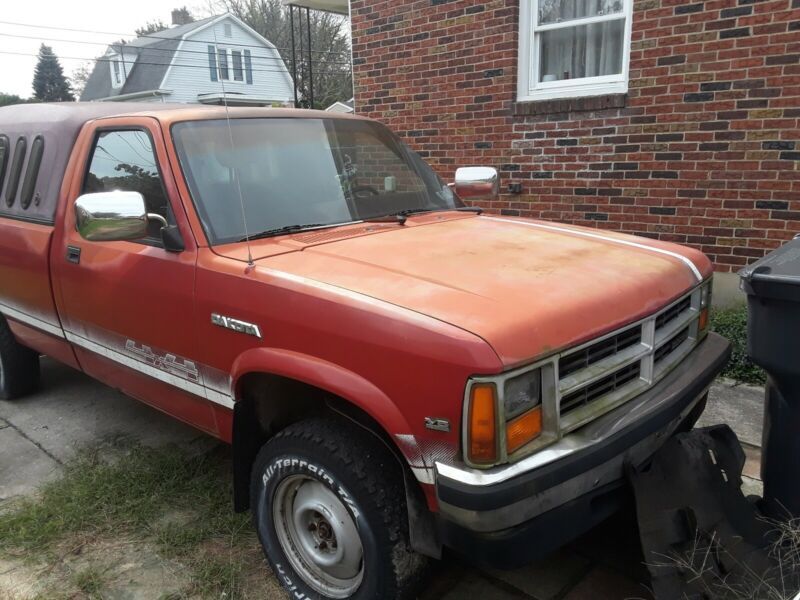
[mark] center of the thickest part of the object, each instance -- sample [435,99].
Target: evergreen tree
[49,83]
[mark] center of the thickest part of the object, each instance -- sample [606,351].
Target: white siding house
[209,61]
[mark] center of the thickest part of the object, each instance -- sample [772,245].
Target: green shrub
[731,323]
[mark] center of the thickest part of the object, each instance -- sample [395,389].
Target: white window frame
[530,89]
[227,53]
[117,72]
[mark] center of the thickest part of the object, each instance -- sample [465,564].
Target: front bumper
[512,514]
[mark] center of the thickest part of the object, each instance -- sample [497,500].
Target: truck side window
[16,171]
[124,160]
[32,172]
[5,150]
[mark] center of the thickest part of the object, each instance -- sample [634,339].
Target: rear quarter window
[16,170]
[32,172]
[5,150]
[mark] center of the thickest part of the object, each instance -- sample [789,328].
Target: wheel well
[268,403]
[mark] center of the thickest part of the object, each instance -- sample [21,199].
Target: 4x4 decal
[181,367]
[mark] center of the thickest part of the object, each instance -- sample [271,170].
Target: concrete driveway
[39,433]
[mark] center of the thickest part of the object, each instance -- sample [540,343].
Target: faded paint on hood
[527,291]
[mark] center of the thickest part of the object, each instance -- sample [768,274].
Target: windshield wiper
[395,218]
[413,211]
[284,230]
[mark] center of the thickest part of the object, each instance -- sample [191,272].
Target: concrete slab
[71,410]
[739,405]
[23,465]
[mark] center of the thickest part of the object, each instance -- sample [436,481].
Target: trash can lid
[777,275]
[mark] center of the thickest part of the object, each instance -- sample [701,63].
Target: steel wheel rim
[318,536]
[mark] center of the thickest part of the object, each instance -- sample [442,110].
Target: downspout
[294,57]
[310,60]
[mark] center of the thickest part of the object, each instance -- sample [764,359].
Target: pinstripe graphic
[604,238]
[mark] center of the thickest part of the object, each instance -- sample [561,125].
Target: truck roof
[58,125]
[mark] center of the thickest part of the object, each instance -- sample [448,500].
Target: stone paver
[549,578]
[605,583]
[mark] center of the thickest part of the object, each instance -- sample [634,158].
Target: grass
[731,323]
[177,502]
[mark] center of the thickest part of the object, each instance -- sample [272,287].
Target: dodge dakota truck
[398,372]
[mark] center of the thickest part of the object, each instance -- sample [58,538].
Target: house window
[238,69]
[222,59]
[571,48]
[228,30]
[115,65]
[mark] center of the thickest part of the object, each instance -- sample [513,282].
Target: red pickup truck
[397,372]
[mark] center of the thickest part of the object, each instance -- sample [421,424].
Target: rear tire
[19,366]
[329,507]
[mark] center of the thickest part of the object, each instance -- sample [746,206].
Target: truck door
[127,307]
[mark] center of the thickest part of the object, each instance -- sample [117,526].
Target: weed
[167,497]
[89,581]
[731,323]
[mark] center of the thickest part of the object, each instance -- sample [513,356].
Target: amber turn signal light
[523,429]
[482,441]
[703,319]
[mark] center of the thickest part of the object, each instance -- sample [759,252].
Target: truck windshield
[290,173]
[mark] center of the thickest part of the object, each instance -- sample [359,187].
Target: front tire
[329,507]
[19,366]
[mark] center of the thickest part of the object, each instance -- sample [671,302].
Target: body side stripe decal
[28,319]
[193,388]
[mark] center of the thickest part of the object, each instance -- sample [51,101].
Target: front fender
[326,376]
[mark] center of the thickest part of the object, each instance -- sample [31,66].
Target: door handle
[73,254]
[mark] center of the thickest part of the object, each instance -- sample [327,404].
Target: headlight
[512,406]
[522,393]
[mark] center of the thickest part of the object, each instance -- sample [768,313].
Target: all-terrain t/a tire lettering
[329,508]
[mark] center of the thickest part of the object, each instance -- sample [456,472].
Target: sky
[19,44]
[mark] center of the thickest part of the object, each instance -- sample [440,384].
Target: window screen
[125,161]
[32,172]
[16,171]
[238,69]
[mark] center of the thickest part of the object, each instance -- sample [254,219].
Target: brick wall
[704,149]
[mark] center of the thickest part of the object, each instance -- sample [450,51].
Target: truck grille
[602,374]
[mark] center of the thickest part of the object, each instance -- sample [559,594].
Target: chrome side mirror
[477,183]
[113,216]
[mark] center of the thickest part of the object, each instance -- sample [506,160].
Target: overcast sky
[18,54]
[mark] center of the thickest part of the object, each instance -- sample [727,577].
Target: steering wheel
[360,191]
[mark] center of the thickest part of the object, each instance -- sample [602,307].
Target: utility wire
[163,64]
[151,49]
[150,36]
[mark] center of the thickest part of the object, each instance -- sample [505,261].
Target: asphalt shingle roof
[155,53]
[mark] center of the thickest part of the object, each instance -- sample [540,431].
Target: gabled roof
[155,53]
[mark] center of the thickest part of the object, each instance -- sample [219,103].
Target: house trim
[231,99]
[134,95]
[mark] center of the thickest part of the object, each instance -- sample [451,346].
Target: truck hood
[528,288]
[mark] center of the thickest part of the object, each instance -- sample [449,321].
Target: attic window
[228,30]
[115,65]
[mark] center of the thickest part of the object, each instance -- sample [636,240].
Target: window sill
[566,105]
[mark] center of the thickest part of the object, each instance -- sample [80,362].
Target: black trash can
[773,342]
